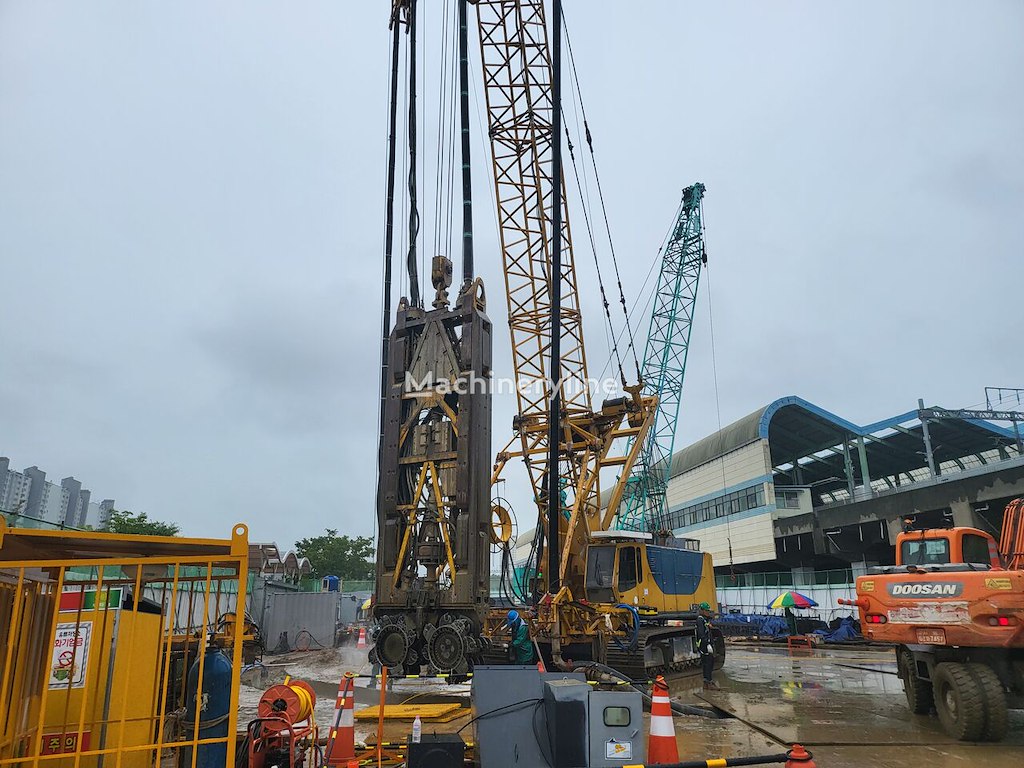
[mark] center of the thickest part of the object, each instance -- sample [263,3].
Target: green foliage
[342,556]
[139,523]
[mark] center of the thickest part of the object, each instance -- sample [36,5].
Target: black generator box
[437,750]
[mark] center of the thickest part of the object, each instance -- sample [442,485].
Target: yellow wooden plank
[425,712]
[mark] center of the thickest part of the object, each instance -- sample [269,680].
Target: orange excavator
[954,607]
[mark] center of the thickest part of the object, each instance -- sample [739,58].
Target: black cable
[597,263]
[389,231]
[600,193]
[414,214]
[680,709]
[495,711]
[536,735]
[302,632]
[467,178]
[636,302]
[555,300]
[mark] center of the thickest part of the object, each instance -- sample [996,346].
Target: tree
[346,557]
[139,523]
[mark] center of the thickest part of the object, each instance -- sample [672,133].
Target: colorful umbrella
[792,599]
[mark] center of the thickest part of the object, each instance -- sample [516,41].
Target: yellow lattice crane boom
[607,594]
[517,77]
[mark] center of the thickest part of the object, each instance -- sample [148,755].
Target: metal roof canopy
[27,545]
[800,432]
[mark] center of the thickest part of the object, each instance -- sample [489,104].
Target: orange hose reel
[282,706]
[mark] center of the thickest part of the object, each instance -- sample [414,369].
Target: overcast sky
[191,218]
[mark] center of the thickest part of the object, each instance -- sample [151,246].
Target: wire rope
[597,264]
[600,193]
[414,214]
[718,403]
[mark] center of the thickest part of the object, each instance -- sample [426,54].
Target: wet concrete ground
[846,705]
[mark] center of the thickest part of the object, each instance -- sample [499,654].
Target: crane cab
[662,580]
[947,546]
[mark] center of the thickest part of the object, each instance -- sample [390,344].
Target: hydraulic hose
[636,628]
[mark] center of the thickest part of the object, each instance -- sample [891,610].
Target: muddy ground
[846,705]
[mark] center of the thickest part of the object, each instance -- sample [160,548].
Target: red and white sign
[57,743]
[70,655]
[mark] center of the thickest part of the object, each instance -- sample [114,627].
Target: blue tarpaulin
[845,632]
[754,623]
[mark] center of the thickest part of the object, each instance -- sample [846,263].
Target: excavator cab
[947,546]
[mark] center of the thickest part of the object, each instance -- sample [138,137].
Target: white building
[793,486]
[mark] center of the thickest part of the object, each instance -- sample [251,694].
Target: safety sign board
[618,750]
[70,655]
[58,742]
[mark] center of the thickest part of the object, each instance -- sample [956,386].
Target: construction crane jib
[645,506]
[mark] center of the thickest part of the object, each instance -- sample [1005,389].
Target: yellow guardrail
[96,670]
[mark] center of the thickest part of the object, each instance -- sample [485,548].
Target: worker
[520,649]
[705,646]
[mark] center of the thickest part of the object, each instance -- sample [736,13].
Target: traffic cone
[661,743]
[798,757]
[341,743]
[361,642]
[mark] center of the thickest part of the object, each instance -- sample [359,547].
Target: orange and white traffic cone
[361,642]
[798,757]
[661,743]
[341,742]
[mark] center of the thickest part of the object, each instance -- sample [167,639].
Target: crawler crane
[601,594]
[624,598]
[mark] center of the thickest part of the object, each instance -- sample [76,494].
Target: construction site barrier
[118,650]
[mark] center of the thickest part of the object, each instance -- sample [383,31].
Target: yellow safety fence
[96,671]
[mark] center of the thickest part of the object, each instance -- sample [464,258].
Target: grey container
[512,706]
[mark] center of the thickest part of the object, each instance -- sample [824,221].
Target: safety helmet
[513,617]
[704,606]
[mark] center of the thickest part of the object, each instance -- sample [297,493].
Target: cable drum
[501,524]
[286,704]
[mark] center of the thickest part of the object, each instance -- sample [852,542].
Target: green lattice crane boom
[644,506]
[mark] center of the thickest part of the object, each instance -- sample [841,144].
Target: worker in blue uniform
[520,649]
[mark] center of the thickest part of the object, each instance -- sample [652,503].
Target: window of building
[787,499]
[720,506]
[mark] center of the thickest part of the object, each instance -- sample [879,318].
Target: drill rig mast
[433,510]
